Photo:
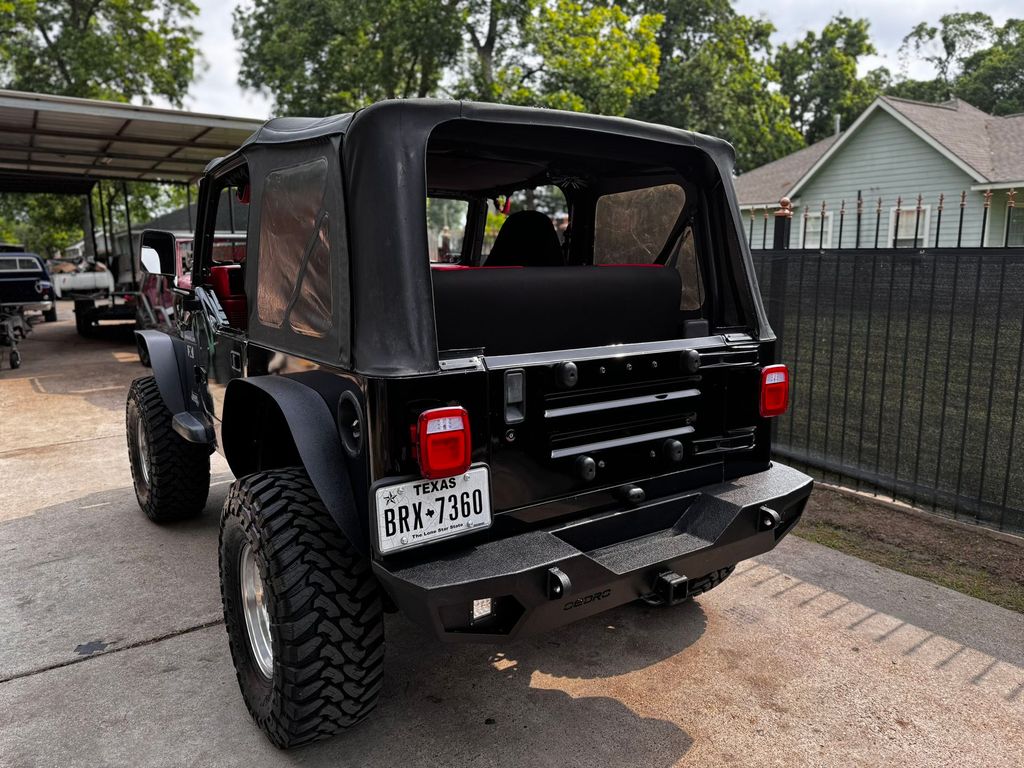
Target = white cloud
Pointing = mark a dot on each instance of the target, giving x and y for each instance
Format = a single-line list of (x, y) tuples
[(890, 21), (216, 90)]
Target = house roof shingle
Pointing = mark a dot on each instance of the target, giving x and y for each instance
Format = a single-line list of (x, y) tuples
[(990, 145), (768, 183)]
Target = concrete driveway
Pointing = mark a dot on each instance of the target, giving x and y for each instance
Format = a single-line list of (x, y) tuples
[(112, 649)]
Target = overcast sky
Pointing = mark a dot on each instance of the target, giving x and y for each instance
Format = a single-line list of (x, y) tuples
[(217, 89)]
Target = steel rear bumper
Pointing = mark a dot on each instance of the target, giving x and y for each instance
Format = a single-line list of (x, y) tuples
[(547, 578), (29, 306)]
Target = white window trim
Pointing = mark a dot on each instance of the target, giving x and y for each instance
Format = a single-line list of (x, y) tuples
[(1019, 211), (924, 229), (812, 241)]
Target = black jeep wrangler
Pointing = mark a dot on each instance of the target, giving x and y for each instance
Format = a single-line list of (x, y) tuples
[(496, 368)]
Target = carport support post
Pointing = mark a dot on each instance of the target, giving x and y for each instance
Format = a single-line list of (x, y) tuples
[(103, 222), (188, 204), (111, 249), (92, 225), (128, 223)]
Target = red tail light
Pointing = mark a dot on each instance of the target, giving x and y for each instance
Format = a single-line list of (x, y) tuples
[(441, 442), (774, 390)]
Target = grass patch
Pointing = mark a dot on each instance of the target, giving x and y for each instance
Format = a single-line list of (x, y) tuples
[(968, 560)]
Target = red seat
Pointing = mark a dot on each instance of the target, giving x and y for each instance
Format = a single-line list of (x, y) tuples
[(228, 285)]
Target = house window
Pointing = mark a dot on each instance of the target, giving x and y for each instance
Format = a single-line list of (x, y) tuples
[(901, 230), (1016, 233), (811, 234)]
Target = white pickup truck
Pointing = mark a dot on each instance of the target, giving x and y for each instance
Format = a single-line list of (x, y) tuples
[(81, 279)]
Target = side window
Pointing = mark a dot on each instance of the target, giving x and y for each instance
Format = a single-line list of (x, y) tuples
[(8, 265), (548, 199), (294, 285), (446, 228), (632, 227)]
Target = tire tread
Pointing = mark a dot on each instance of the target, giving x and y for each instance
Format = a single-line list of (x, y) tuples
[(325, 606)]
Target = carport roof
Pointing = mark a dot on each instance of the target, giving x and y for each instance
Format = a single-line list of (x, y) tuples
[(63, 144)]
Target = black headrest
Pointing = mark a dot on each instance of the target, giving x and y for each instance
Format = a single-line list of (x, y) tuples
[(526, 239)]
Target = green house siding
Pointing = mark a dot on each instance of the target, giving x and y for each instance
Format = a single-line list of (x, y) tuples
[(885, 159)]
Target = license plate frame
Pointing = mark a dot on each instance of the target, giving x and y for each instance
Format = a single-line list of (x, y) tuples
[(388, 494)]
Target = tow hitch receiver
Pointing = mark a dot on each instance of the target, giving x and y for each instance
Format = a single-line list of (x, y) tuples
[(670, 588)]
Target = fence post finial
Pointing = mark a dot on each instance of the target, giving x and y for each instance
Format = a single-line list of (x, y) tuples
[(783, 222)]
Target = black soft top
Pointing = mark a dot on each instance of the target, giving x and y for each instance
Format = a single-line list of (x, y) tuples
[(390, 329)]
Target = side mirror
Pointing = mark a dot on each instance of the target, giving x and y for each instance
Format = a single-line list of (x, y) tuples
[(157, 252)]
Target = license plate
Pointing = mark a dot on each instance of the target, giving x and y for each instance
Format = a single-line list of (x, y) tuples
[(421, 511)]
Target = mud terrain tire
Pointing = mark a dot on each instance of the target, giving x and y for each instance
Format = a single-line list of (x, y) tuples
[(170, 474), (315, 666)]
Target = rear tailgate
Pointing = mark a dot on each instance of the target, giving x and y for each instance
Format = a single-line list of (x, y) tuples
[(672, 417), (22, 281)]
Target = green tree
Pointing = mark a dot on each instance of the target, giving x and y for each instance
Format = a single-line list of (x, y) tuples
[(974, 59), (494, 42), (44, 224), (818, 75), (715, 77), (586, 57), (945, 46), (992, 79), (116, 50), (321, 56), (108, 49)]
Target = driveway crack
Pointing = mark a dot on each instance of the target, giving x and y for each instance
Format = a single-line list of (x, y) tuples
[(110, 651)]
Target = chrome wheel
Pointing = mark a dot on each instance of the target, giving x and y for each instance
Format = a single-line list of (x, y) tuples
[(142, 450), (254, 607)]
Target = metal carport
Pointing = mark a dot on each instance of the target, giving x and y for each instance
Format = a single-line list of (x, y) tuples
[(47, 141), (64, 145)]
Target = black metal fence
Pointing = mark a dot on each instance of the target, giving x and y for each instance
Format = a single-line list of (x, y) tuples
[(992, 219), (906, 373)]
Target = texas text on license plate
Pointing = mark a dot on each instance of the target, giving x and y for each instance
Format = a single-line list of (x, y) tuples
[(423, 511)]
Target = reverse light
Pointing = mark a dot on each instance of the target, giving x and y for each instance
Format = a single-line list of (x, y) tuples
[(441, 442), (774, 390), (482, 609)]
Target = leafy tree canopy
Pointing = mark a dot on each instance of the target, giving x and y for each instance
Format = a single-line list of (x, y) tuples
[(974, 59), (715, 77), (594, 59), (819, 76), (993, 78), (110, 49), (322, 56)]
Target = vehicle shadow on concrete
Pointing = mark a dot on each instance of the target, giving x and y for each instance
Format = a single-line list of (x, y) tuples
[(519, 704), (969, 641), (94, 577)]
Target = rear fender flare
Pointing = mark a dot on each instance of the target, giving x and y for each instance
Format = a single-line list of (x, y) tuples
[(167, 358), (277, 410)]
